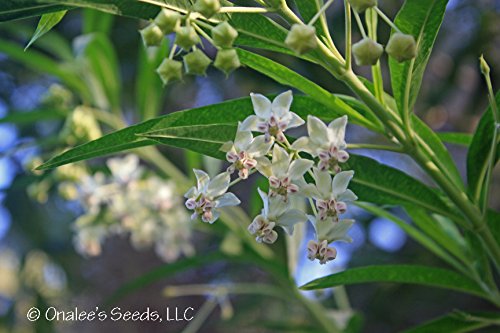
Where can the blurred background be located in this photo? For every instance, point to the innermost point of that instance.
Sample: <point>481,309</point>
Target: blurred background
<point>48,259</point>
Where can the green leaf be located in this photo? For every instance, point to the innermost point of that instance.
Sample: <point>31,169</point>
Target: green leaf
<point>100,68</point>
<point>30,117</point>
<point>18,9</point>
<point>457,322</point>
<point>46,23</point>
<point>381,184</point>
<point>411,274</point>
<point>444,232</point>
<point>479,151</point>
<point>149,89</point>
<point>463,139</point>
<point>224,114</point>
<point>95,21</point>
<point>422,19</point>
<point>411,231</point>
<point>440,153</point>
<point>286,76</point>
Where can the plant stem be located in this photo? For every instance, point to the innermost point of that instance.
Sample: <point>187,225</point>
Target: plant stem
<point>397,149</point>
<point>348,35</point>
<point>360,24</point>
<point>317,312</point>
<point>320,12</point>
<point>386,19</point>
<point>246,10</point>
<point>371,19</point>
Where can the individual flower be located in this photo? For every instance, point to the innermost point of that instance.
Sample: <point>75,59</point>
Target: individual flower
<point>89,235</point>
<point>331,195</point>
<point>275,213</point>
<point>208,195</point>
<point>326,142</point>
<point>327,232</point>
<point>245,152</point>
<point>125,169</point>
<point>320,251</point>
<point>285,175</point>
<point>272,118</point>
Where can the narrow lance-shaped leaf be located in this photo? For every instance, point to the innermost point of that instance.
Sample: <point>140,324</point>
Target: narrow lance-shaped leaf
<point>457,322</point>
<point>412,274</point>
<point>479,151</point>
<point>18,9</point>
<point>422,19</point>
<point>46,23</point>
<point>224,115</point>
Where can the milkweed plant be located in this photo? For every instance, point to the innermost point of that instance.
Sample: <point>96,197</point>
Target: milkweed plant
<point>309,180</point>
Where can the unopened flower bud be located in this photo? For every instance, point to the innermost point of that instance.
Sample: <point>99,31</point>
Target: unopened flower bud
<point>207,8</point>
<point>362,5</point>
<point>301,38</point>
<point>401,47</point>
<point>224,35</point>
<point>367,52</point>
<point>170,70</point>
<point>483,65</point>
<point>227,60</point>
<point>167,20</point>
<point>186,37</point>
<point>196,62</point>
<point>151,35</point>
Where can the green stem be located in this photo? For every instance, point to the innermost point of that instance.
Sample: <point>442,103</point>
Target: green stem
<point>318,313</point>
<point>386,19</point>
<point>371,19</point>
<point>360,24</point>
<point>397,149</point>
<point>320,12</point>
<point>245,10</point>
<point>348,35</point>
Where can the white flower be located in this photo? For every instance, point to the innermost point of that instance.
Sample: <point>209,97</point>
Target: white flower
<point>326,142</point>
<point>272,119</point>
<point>89,236</point>
<point>245,152</point>
<point>208,195</point>
<point>284,174</point>
<point>331,195</point>
<point>125,169</point>
<point>321,251</point>
<point>275,213</point>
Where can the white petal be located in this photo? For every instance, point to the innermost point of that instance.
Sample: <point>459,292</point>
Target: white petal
<point>295,120</point>
<point>323,183</point>
<point>265,201</point>
<point>339,231</point>
<point>264,166</point>
<point>215,216</point>
<point>202,179</point>
<point>242,140</point>
<point>250,123</point>
<point>336,131</point>
<point>281,161</point>
<point>218,185</point>
<point>259,146</point>
<point>299,167</point>
<point>261,105</point>
<point>313,221</point>
<point>341,181</point>
<point>192,192</point>
<point>302,144</point>
<point>318,132</point>
<point>227,146</point>
<point>277,207</point>
<point>290,218</point>
<point>282,102</point>
<point>348,195</point>
<point>227,199</point>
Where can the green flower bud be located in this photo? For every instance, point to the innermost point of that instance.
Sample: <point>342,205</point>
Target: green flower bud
<point>362,5</point>
<point>196,62</point>
<point>227,60</point>
<point>207,8</point>
<point>483,65</point>
<point>401,47</point>
<point>167,20</point>
<point>186,37</point>
<point>224,35</point>
<point>151,35</point>
<point>367,52</point>
<point>301,38</point>
<point>170,70</point>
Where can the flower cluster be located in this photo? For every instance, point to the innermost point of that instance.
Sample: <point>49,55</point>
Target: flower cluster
<point>320,179</point>
<point>188,29</point>
<point>127,201</point>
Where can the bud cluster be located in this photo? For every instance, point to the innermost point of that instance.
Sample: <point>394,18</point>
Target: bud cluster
<point>187,38</point>
<point>320,180</point>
